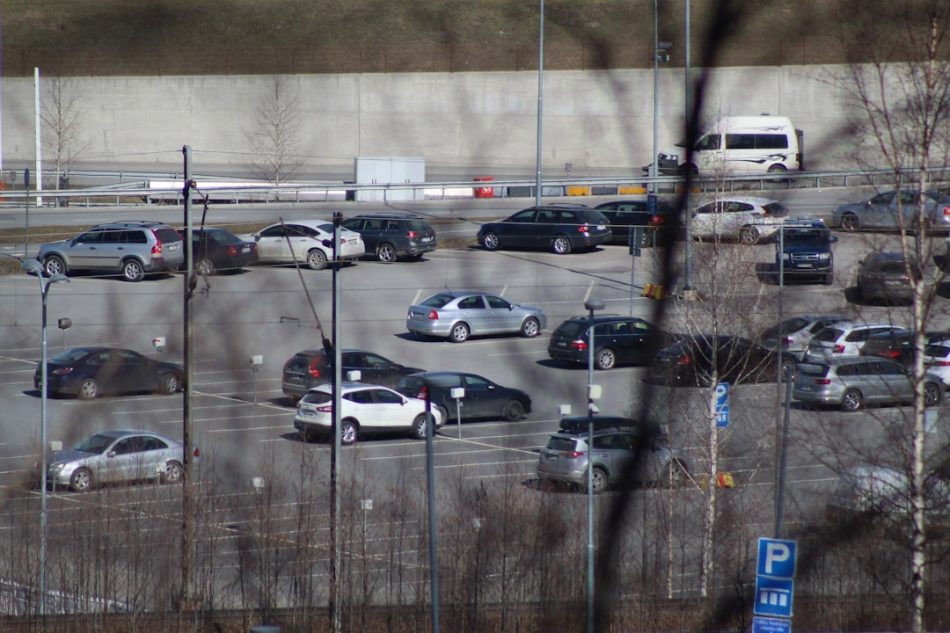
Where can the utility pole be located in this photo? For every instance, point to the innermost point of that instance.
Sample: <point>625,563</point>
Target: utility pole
<point>335,418</point>
<point>188,289</point>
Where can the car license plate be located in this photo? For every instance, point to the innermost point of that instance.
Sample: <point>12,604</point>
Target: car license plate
<point>601,227</point>
<point>562,343</point>
<point>804,265</point>
<point>246,249</point>
<point>427,239</point>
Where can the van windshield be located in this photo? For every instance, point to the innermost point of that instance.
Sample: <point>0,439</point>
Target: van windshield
<point>708,142</point>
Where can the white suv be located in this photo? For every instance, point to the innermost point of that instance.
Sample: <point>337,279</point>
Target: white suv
<point>845,339</point>
<point>365,409</point>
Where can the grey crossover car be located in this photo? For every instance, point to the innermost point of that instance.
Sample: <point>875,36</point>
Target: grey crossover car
<point>131,249</point>
<point>892,209</point>
<point>117,456</point>
<point>884,277</point>
<point>850,382</point>
<point>390,236</point>
<point>458,314</point>
<point>617,443</point>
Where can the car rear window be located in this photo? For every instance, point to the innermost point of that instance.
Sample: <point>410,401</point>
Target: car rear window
<point>775,208</point>
<point>938,351</point>
<point>787,327</point>
<point>167,234</point>
<point>318,397</point>
<point>570,329</point>
<point>892,268</point>
<point>439,300</point>
<point>419,225</point>
<point>445,380</point>
<point>828,335</point>
<point>590,216</point>
<point>560,443</point>
<point>813,369</point>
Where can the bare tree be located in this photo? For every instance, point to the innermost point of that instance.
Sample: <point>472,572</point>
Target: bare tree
<point>64,138</point>
<point>274,137</point>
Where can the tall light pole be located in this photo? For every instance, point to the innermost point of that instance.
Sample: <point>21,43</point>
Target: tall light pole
<point>537,160</point>
<point>591,305</point>
<point>34,267</point>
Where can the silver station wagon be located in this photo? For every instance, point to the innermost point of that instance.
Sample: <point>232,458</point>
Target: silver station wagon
<point>851,382</point>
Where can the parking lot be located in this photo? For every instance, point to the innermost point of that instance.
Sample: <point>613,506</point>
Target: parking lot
<point>243,424</point>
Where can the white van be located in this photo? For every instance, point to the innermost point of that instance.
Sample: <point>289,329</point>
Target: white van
<point>744,145</point>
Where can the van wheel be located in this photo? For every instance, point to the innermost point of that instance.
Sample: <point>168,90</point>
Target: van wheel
<point>748,235</point>
<point>132,270</point>
<point>777,168</point>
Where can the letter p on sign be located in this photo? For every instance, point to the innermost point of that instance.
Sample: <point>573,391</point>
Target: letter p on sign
<point>776,558</point>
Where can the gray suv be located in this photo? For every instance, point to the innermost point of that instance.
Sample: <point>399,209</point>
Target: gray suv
<point>390,236</point>
<point>130,249</point>
<point>617,443</point>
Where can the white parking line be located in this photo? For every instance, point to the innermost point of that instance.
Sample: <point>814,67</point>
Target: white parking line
<point>256,428</point>
<point>231,418</point>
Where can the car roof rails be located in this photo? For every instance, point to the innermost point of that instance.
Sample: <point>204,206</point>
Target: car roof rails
<point>579,423</point>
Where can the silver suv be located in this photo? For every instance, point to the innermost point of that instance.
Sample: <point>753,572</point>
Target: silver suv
<point>617,443</point>
<point>130,249</point>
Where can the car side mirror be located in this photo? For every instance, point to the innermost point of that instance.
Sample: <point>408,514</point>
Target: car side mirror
<point>833,238</point>
<point>510,307</point>
<point>257,237</point>
<point>110,454</point>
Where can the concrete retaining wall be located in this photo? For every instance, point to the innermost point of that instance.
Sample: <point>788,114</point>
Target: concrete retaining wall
<point>462,123</point>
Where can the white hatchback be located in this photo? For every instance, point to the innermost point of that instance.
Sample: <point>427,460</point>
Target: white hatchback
<point>309,242</point>
<point>365,409</point>
<point>845,339</point>
<point>746,219</point>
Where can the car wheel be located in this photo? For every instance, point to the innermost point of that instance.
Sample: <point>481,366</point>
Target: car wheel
<point>418,429</point>
<point>81,480</point>
<point>204,267</point>
<point>598,480</point>
<point>748,235</point>
<point>88,389</point>
<point>561,245</point>
<point>530,328</point>
<point>386,253</point>
<point>647,237</point>
<point>168,384</point>
<point>443,413</point>
<point>852,400</point>
<point>132,270</point>
<point>850,222</point>
<point>316,259</point>
<point>514,411</point>
<point>605,359</point>
<point>459,333</point>
<point>490,241</point>
<point>54,265</point>
<point>173,473</point>
<point>348,432</point>
<point>932,394</point>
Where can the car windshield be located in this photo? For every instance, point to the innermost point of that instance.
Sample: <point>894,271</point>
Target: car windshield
<point>439,300</point>
<point>786,327</point>
<point>97,444</point>
<point>805,238</point>
<point>70,356</point>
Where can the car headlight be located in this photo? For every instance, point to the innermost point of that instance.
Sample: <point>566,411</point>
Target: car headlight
<point>824,256</point>
<point>786,256</point>
<point>57,467</point>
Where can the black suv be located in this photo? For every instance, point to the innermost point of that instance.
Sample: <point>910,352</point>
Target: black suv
<point>314,367</point>
<point>390,236</point>
<point>617,339</point>
<point>803,252</point>
<point>658,228</point>
<point>561,228</point>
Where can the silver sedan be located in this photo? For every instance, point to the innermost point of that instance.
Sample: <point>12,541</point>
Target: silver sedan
<point>456,315</point>
<point>117,456</point>
<point>892,209</point>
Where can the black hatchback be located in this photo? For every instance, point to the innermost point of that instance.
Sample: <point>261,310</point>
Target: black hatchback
<point>314,367</point>
<point>617,340</point>
<point>482,397</point>
<point>692,360</point>
<point>558,228</point>
<point>215,250</point>
<point>391,236</point>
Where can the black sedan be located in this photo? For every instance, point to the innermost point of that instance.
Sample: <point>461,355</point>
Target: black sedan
<point>692,361</point>
<point>560,228</point>
<point>617,340</point>
<point>483,398</point>
<point>658,228</point>
<point>88,372</point>
<point>215,249</point>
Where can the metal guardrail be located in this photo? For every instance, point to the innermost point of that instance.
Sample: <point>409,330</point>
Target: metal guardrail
<point>160,188</point>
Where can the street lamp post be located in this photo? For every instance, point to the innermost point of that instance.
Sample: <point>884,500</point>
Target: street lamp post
<point>34,267</point>
<point>591,305</point>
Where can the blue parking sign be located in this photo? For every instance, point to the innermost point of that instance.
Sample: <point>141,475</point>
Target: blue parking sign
<point>776,558</point>
<point>773,596</point>
<point>722,405</point>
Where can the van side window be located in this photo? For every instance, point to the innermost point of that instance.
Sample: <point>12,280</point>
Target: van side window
<point>771,141</point>
<point>740,141</point>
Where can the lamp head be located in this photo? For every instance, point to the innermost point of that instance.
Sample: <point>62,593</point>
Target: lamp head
<point>32,266</point>
<point>594,304</point>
